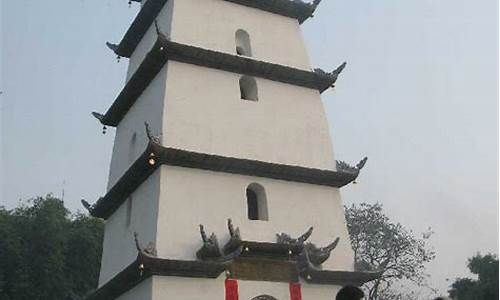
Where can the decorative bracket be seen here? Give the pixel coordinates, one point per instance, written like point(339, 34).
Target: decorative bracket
point(345, 167)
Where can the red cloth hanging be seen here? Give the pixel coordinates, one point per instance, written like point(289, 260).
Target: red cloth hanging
point(231, 289)
point(295, 292)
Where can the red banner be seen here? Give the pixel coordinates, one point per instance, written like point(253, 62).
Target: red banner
point(295, 292)
point(231, 289)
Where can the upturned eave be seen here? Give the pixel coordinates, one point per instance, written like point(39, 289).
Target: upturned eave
point(156, 155)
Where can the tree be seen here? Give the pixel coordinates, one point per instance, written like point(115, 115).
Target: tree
point(47, 253)
point(380, 244)
point(485, 287)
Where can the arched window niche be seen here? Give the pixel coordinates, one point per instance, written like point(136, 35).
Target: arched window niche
point(350, 293)
point(248, 88)
point(256, 202)
point(243, 43)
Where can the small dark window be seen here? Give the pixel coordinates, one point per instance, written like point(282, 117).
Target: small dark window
point(256, 202)
point(253, 206)
point(248, 88)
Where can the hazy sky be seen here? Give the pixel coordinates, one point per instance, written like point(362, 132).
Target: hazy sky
point(418, 97)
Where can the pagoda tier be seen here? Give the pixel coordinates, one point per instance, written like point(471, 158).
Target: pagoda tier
point(148, 13)
point(146, 266)
point(164, 50)
point(155, 155)
point(275, 262)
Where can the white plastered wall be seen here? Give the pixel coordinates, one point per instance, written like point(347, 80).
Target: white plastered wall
point(319, 291)
point(190, 197)
point(118, 247)
point(147, 108)
point(204, 113)
point(183, 288)
point(213, 289)
point(212, 24)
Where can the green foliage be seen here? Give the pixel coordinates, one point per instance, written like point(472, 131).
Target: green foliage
point(47, 253)
point(486, 287)
point(380, 244)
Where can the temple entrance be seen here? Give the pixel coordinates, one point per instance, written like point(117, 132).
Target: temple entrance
point(350, 293)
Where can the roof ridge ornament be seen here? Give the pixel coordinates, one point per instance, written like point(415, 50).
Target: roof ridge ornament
point(150, 249)
point(284, 238)
point(312, 256)
point(233, 232)
point(342, 166)
point(318, 255)
point(210, 248)
point(361, 163)
point(155, 139)
point(233, 245)
point(339, 69)
point(333, 74)
point(160, 33)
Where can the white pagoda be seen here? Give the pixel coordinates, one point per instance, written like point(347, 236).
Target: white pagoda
point(223, 182)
